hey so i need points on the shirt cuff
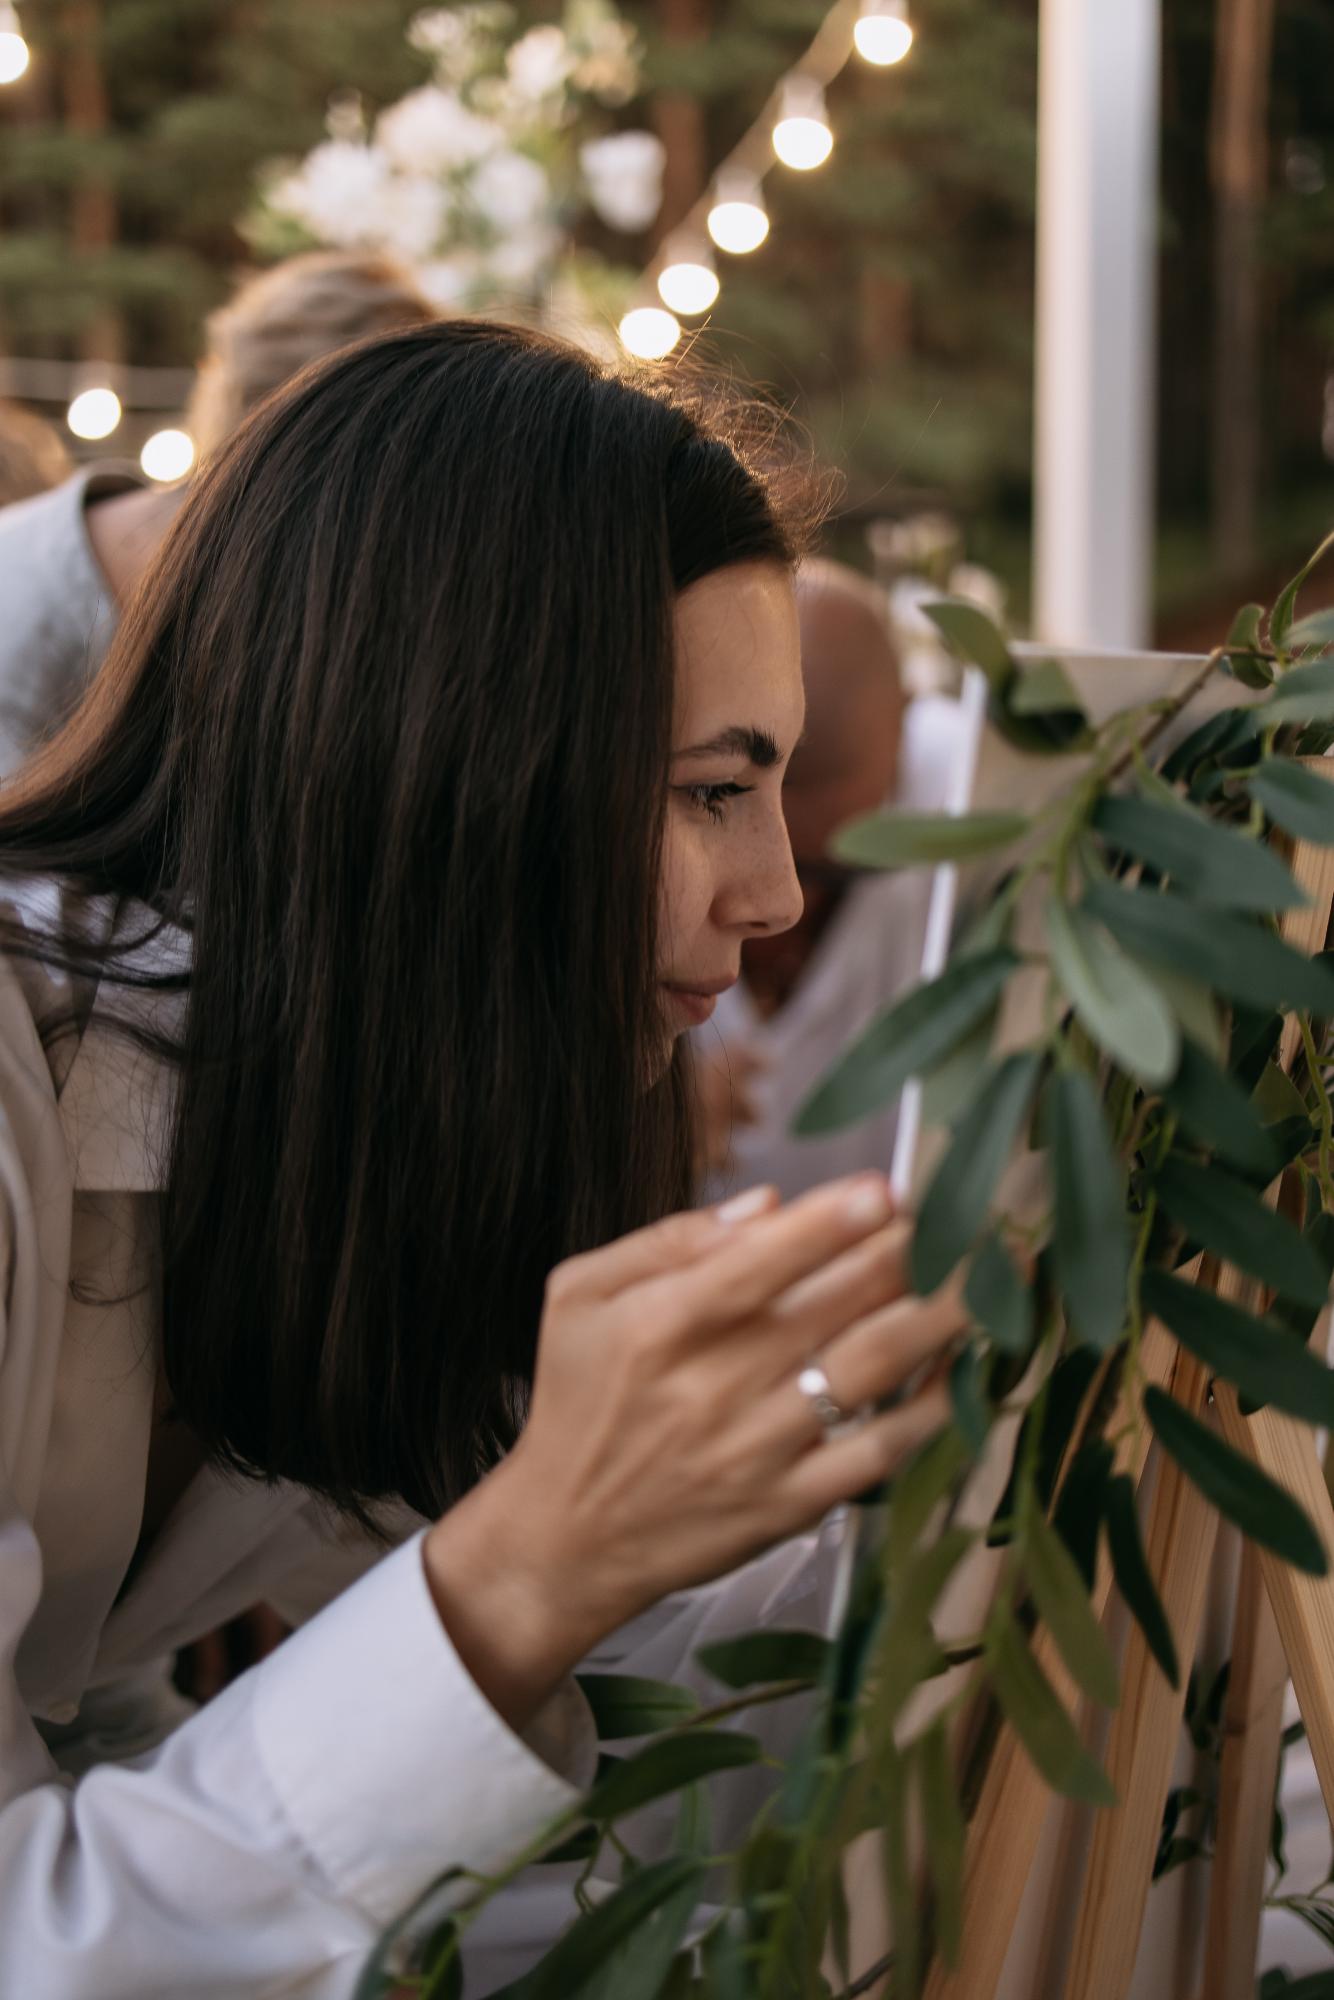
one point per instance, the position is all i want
(391, 1764)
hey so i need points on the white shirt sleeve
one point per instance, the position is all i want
(261, 1849)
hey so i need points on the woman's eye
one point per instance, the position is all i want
(712, 799)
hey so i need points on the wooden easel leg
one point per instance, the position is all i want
(1303, 1605)
(1253, 1727)
(1007, 1826)
(1146, 1731)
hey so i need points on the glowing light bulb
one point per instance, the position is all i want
(168, 455)
(649, 333)
(94, 413)
(883, 33)
(13, 49)
(687, 281)
(738, 222)
(802, 138)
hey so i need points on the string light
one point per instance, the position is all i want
(688, 282)
(13, 49)
(168, 455)
(738, 220)
(94, 413)
(649, 333)
(883, 32)
(802, 138)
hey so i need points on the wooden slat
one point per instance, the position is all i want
(1146, 1730)
(1005, 1830)
(1303, 1605)
(1252, 1729)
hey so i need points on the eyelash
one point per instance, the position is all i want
(710, 798)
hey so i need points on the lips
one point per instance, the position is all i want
(696, 1002)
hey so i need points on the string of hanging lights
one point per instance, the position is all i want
(14, 56)
(793, 129)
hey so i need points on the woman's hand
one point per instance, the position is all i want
(667, 1439)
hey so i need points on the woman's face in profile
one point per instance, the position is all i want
(727, 870)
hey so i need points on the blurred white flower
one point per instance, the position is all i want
(624, 176)
(457, 37)
(432, 131)
(409, 215)
(607, 66)
(520, 262)
(510, 190)
(450, 282)
(335, 191)
(539, 63)
(345, 117)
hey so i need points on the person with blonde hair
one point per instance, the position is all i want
(71, 557)
(32, 457)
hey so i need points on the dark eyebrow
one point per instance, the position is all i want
(756, 744)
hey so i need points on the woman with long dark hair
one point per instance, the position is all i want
(349, 931)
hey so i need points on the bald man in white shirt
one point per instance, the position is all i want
(803, 996)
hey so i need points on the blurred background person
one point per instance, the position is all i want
(32, 456)
(803, 996)
(71, 556)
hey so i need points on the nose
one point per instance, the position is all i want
(766, 896)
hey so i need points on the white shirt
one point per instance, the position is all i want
(259, 1846)
(60, 612)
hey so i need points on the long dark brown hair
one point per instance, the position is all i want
(386, 730)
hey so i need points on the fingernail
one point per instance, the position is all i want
(869, 1201)
(742, 1206)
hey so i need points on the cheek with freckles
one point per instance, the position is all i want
(685, 895)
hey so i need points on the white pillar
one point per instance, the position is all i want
(1095, 377)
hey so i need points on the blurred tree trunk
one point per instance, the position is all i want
(93, 214)
(679, 119)
(1239, 171)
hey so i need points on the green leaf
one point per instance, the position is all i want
(943, 1829)
(1228, 953)
(1298, 800)
(664, 1766)
(908, 840)
(1091, 1246)
(1226, 1216)
(1041, 689)
(1280, 621)
(1215, 865)
(1245, 637)
(441, 1966)
(1276, 1097)
(1304, 694)
(1062, 1600)
(906, 1041)
(973, 636)
(642, 1965)
(1039, 1721)
(968, 1399)
(1220, 737)
(1317, 630)
(1122, 1010)
(1259, 1357)
(1247, 1496)
(626, 1705)
(1079, 1505)
(955, 1204)
(1214, 1109)
(950, 1086)
(998, 1298)
(1197, 1015)
(589, 1943)
(771, 1655)
(917, 1491)
(1245, 627)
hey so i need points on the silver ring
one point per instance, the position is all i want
(814, 1386)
